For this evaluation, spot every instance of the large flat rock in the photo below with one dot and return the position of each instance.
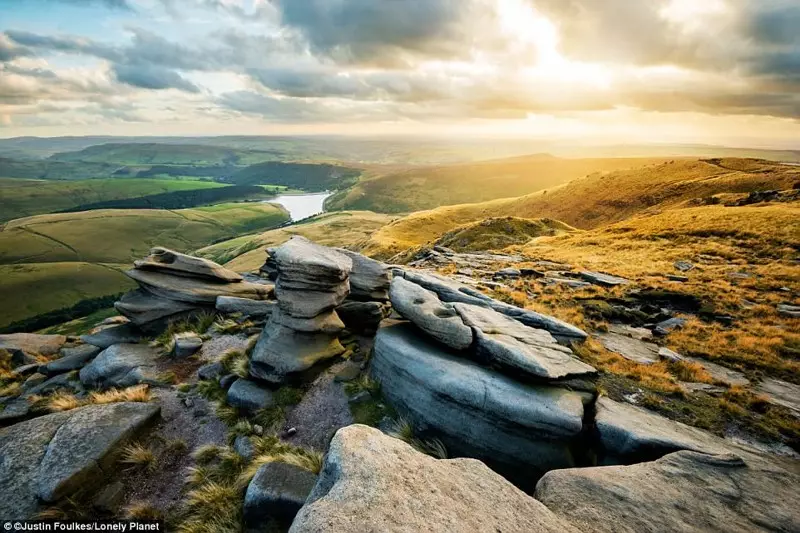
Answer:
(629, 433)
(32, 344)
(449, 290)
(781, 393)
(424, 309)
(281, 352)
(509, 344)
(172, 262)
(52, 456)
(636, 350)
(683, 492)
(195, 290)
(476, 411)
(369, 279)
(121, 365)
(304, 265)
(277, 492)
(371, 482)
(141, 307)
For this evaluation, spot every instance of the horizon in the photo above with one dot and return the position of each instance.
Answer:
(658, 72)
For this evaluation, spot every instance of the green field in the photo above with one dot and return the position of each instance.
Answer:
(31, 289)
(49, 262)
(164, 154)
(22, 198)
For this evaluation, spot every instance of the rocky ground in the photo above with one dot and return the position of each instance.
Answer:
(223, 402)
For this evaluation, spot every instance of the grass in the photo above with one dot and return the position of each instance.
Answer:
(430, 187)
(137, 393)
(142, 511)
(499, 233)
(403, 429)
(592, 201)
(199, 324)
(138, 457)
(23, 198)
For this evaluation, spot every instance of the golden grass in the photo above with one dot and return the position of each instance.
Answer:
(137, 393)
(499, 233)
(142, 511)
(62, 401)
(136, 456)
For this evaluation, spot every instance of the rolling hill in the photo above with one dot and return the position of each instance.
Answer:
(163, 154)
(429, 187)
(22, 198)
(597, 199)
(53, 259)
(308, 177)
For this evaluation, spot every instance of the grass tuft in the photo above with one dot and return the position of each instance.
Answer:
(138, 457)
(137, 393)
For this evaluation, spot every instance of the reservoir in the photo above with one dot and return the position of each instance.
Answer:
(301, 206)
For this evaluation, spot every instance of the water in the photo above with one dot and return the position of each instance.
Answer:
(301, 206)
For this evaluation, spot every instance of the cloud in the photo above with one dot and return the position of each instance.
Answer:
(148, 76)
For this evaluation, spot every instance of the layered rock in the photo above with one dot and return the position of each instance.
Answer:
(121, 365)
(369, 279)
(372, 482)
(276, 493)
(53, 456)
(172, 284)
(681, 492)
(303, 329)
(476, 411)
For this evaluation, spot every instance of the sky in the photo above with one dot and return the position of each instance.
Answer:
(610, 71)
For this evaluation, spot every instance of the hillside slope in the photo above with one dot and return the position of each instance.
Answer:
(597, 199)
(429, 187)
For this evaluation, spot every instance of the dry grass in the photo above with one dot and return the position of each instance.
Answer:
(142, 511)
(403, 429)
(136, 456)
(137, 393)
(63, 401)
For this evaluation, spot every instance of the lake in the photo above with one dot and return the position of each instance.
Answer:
(301, 206)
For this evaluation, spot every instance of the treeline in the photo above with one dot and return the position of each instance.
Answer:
(305, 176)
(59, 316)
(207, 171)
(181, 199)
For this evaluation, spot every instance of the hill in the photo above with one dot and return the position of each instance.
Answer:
(161, 154)
(429, 187)
(598, 199)
(499, 233)
(349, 229)
(183, 199)
(54, 170)
(308, 177)
(22, 198)
(59, 259)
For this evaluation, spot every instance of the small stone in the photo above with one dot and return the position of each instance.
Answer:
(277, 492)
(291, 431)
(258, 430)
(791, 311)
(244, 447)
(360, 397)
(604, 280)
(248, 395)
(666, 326)
(210, 371)
(187, 345)
(679, 279)
(508, 273)
(683, 266)
(669, 355)
(188, 402)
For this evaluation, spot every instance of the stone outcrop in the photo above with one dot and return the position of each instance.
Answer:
(249, 396)
(636, 350)
(72, 359)
(105, 336)
(121, 365)
(276, 493)
(24, 347)
(372, 482)
(681, 492)
(451, 291)
(51, 457)
(427, 312)
(303, 329)
(172, 285)
(362, 317)
(369, 279)
(474, 410)
(245, 306)
(504, 342)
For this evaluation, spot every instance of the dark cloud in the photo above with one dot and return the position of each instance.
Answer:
(389, 31)
(271, 108)
(67, 44)
(10, 50)
(147, 76)
(114, 4)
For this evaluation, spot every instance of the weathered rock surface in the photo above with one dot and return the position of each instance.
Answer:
(682, 492)
(141, 307)
(277, 492)
(245, 306)
(30, 344)
(781, 393)
(361, 317)
(73, 359)
(52, 456)
(369, 279)
(505, 342)
(309, 303)
(187, 344)
(628, 433)
(249, 396)
(194, 290)
(304, 265)
(791, 311)
(372, 482)
(165, 260)
(633, 349)
(721, 373)
(604, 280)
(281, 351)
(66, 381)
(474, 410)
(121, 365)
(325, 322)
(423, 308)
(665, 327)
(451, 291)
(106, 336)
